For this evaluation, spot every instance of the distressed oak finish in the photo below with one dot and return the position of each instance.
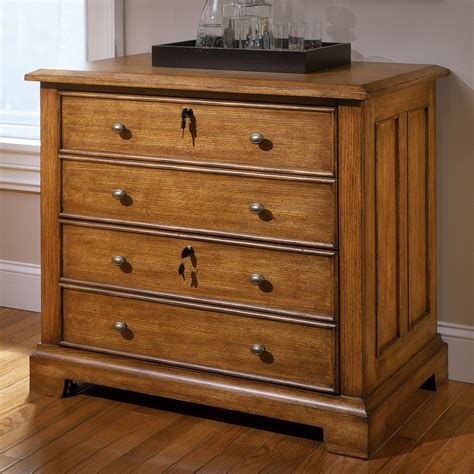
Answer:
(346, 241)
(295, 138)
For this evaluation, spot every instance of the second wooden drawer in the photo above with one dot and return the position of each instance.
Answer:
(296, 281)
(292, 211)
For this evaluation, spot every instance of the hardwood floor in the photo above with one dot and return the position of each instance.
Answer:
(109, 431)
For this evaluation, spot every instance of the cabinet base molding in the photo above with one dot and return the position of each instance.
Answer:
(352, 426)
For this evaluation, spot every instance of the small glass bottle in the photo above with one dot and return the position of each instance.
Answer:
(209, 33)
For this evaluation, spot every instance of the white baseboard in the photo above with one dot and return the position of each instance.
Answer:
(460, 340)
(20, 285)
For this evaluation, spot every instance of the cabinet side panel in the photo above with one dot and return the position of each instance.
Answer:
(50, 202)
(400, 237)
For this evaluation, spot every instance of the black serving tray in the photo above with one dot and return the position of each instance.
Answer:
(185, 54)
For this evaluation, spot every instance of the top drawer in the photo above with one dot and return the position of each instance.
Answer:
(298, 139)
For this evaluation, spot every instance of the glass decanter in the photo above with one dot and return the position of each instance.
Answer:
(210, 31)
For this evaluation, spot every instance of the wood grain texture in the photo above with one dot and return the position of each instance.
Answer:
(359, 81)
(294, 353)
(296, 282)
(50, 208)
(295, 211)
(296, 138)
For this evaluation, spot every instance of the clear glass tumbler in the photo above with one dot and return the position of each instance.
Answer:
(280, 35)
(296, 36)
(313, 35)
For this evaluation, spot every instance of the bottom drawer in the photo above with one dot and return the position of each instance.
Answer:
(301, 355)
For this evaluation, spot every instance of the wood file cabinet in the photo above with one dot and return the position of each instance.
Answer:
(277, 256)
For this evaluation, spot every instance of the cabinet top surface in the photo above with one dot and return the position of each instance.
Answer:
(358, 81)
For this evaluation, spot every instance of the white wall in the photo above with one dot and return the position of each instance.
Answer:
(19, 250)
(19, 225)
(416, 31)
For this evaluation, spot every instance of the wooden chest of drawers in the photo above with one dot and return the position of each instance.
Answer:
(276, 256)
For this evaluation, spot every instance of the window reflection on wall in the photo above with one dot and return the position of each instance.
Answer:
(34, 34)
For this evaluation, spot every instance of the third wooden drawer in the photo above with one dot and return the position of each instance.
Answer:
(280, 279)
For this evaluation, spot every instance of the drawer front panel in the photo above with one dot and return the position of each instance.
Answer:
(294, 211)
(292, 281)
(295, 138)
(294, 354)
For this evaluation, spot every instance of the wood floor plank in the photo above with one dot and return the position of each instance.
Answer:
(147, 427)
(321, 461)
(458, 451)
(226, 436)
(13, 370)
(30, 418)
(194, 460)
(101, 431)
(431, 411)
(61, 446)
(416, 426)
(253, 437)
(9, 316)
(59, 429)
(278, 454)
(137, 456)
(15, 334)
(227, 458)
(435, 439)
(6, 461)
(16, 395)
(179, 445)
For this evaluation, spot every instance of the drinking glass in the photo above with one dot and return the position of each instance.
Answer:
(313, 35)
(296, 33)
(280, 32)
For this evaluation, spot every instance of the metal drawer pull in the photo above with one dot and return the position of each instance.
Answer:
(256, 138)
(118, 128)
(119, 194)
(119, 326)
(256, 208)
(256, 279)
(118, 260)
(257, 349)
